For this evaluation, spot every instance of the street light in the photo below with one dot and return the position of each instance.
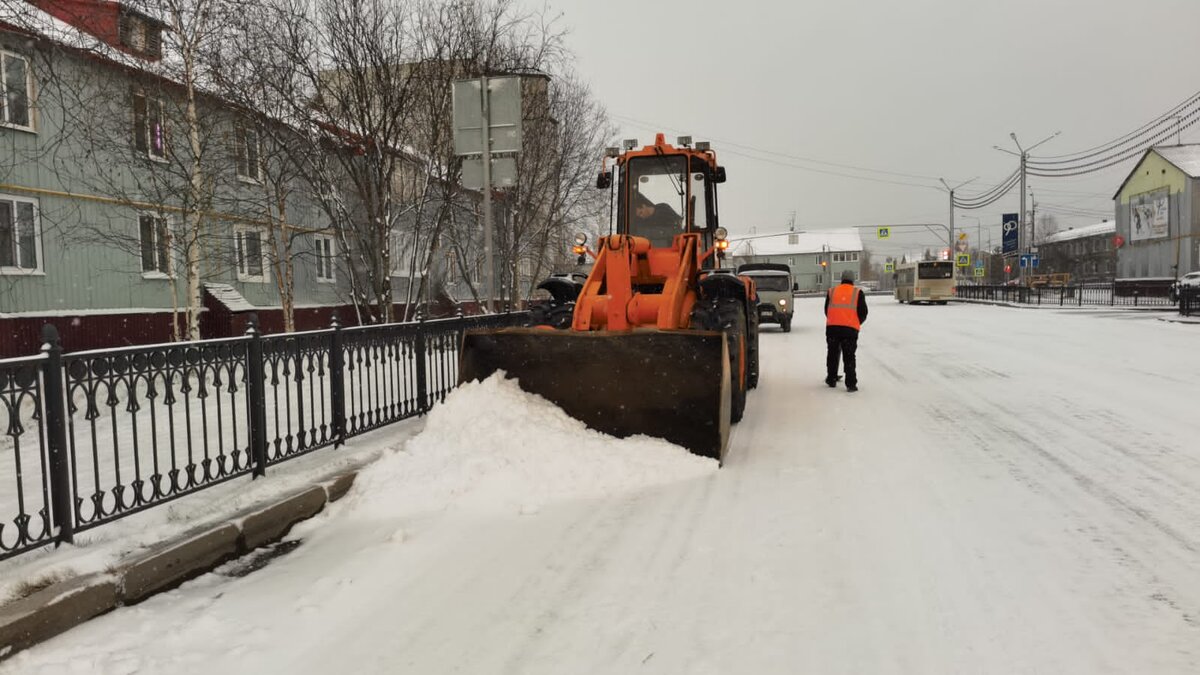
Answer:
(1024, 155)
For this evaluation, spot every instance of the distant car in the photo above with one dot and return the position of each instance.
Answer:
(1189, 280)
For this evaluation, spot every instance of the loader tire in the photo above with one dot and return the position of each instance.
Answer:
(752, 369)
(552, 314)
(731, 315)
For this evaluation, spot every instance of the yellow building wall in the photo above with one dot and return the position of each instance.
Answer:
(1153, 173)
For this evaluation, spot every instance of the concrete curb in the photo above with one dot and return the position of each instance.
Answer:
(66, 604)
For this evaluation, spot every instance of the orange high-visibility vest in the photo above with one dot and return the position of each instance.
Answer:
(843, 306)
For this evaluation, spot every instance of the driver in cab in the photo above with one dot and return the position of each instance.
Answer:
(657, 222)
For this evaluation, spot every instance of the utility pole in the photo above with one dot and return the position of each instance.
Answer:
(1032, 219)
(951, 190)
(1024, 155)
(489, 264)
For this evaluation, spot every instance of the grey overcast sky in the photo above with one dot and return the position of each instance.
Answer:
(921, 87)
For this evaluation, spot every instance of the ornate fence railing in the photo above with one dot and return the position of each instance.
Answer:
(1065, 296)
(90, 437)
(1189, 300)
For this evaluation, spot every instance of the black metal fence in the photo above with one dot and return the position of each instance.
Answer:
(91, 437)
(1065, 296)
(1189, 300)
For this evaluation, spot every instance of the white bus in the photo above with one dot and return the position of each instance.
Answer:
(928, 281)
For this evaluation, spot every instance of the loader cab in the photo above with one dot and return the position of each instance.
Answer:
(664, 191)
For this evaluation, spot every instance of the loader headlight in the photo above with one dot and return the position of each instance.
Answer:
(783, 302)
(721, 233)
(580, 239)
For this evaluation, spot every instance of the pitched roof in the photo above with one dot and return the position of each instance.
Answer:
(1108, 227)
(1186, 158)
(784, 243)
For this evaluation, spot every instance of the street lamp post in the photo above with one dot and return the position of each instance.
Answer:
(1024, 155)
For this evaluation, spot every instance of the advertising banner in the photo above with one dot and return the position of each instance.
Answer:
(1150, 215)
(1011, 233)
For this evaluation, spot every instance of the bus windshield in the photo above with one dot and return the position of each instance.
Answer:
(935, 270)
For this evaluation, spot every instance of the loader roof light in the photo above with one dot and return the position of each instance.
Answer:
(580, 239)
(685, 141)
(613, 152)
(629, 143)
(703, 146)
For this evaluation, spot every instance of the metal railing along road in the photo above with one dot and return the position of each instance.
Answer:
(1064, 296)
(1189, 300)
(90, 437)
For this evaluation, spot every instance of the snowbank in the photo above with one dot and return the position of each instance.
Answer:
(491, 446)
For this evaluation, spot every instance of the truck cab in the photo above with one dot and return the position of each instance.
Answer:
(775, 285)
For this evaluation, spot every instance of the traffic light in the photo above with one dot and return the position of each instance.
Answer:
(1007, 269)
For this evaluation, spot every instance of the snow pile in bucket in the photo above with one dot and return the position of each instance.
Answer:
(491, 446)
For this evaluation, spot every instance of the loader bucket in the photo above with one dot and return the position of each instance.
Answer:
(672, 385)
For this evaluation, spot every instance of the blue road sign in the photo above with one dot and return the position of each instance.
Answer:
(1030, 260)
(1010, 231)
(1034, 260)
(1024, 262)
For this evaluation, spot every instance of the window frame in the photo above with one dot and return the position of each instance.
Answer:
(243, 275)
(163, 256)
(240, 156)
(5, 55)
(144, 132)
(325, 259)
(39, 262)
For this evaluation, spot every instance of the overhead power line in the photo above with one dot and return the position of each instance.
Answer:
(1187, 104)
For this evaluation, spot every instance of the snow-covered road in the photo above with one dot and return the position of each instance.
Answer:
(1011, 491)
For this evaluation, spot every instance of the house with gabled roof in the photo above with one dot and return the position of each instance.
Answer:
(1157, 210)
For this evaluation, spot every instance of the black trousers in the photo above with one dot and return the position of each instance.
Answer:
(843, 343)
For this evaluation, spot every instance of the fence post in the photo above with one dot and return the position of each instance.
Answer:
(337, 382)
(422, 380)
(256, 397)
(1135, 297)
(63, 516)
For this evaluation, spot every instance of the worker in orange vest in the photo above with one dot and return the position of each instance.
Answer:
(845, 312)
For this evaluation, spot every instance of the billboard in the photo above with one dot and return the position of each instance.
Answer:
(1011, 233)
(1149, 215)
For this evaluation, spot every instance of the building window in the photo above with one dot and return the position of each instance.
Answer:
(149, 132)
(20, 239)
(251, 255)
(249, 161)
(324, 252)
(139, 36)
(155, 239)
(15, 84)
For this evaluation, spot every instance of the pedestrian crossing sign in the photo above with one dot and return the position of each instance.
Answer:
(885, 232)
(962, 260)
(978, 271)
(889, 267)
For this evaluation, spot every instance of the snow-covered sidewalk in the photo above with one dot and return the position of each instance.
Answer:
(1010, 492)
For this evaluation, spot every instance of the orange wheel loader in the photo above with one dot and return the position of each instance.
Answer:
(661, 341)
